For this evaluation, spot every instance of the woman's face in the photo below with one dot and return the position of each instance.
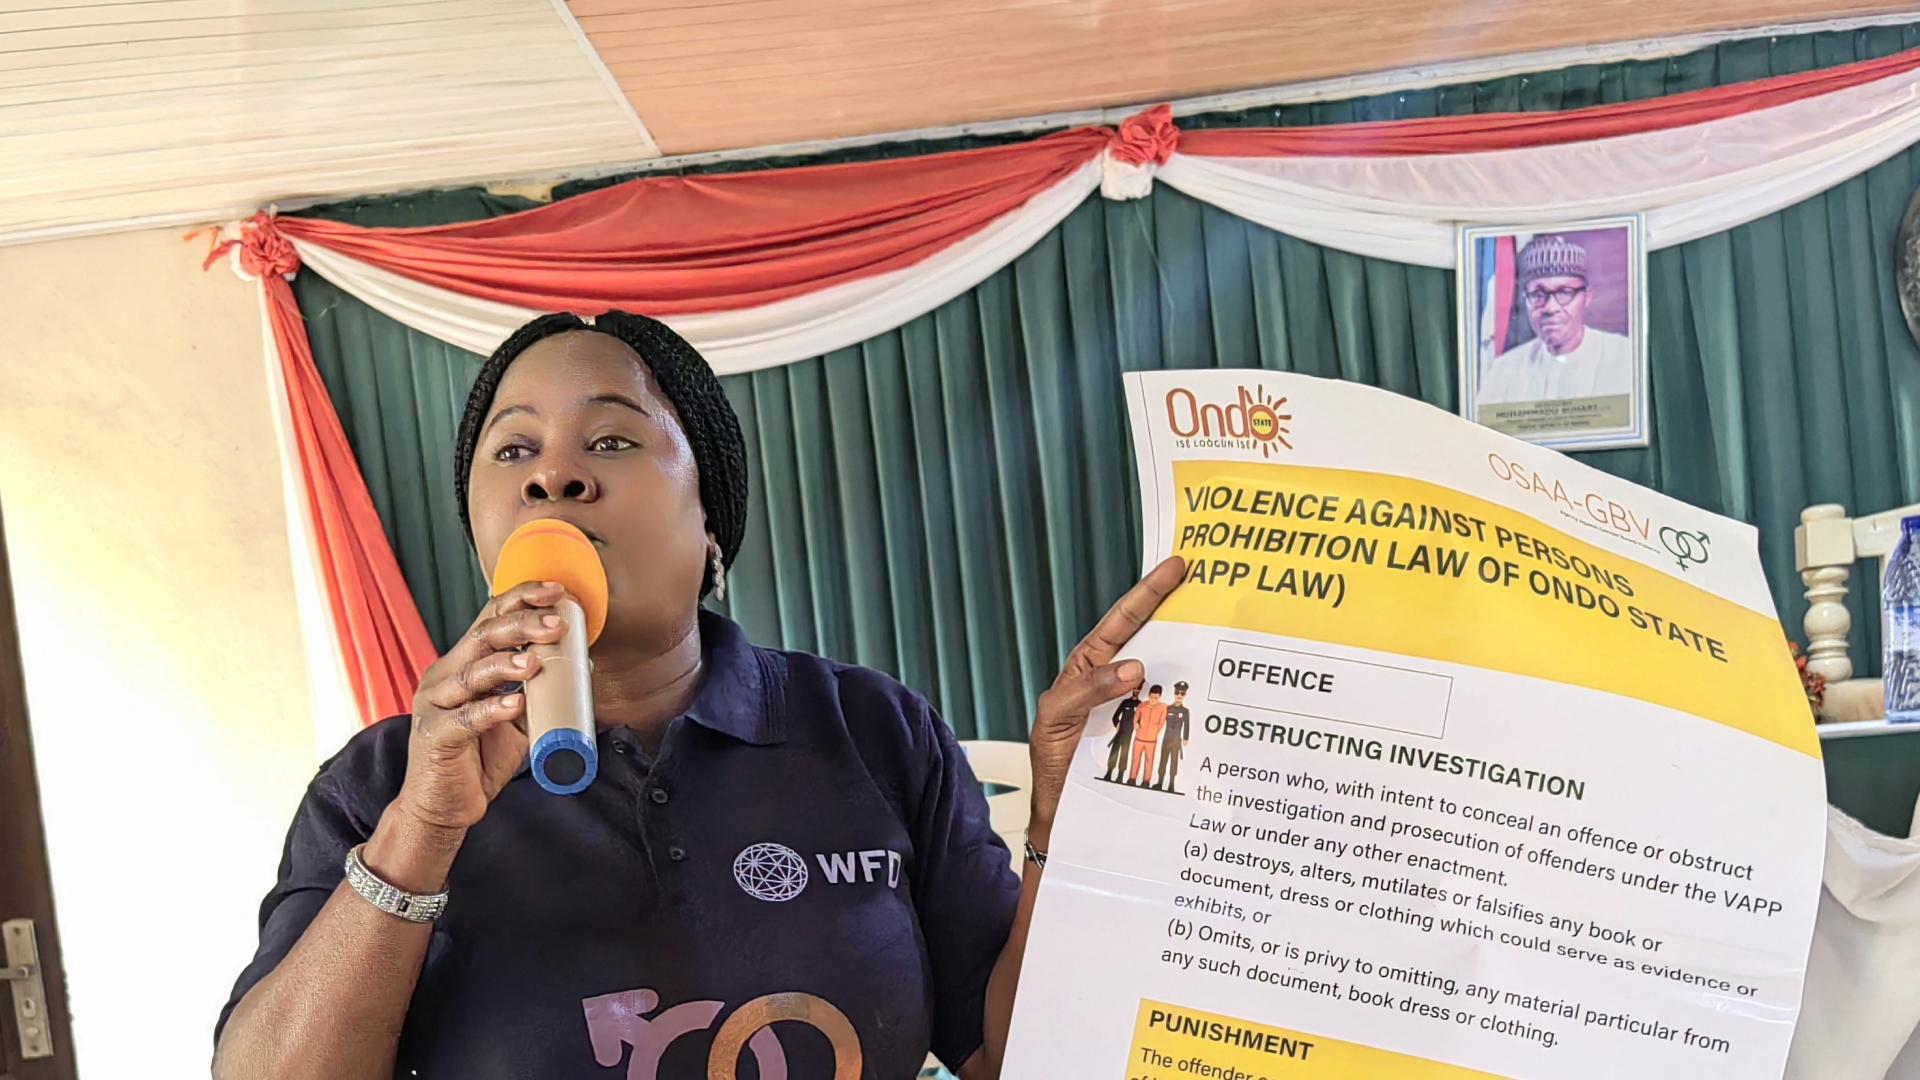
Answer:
(580, 431)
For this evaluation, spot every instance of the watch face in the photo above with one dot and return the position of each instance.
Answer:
(1908, 267)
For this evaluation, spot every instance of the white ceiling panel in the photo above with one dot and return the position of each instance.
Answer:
(156, 110)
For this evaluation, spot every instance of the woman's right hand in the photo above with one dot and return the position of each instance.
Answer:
(468, 739)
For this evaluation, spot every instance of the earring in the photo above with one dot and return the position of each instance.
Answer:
(719, 567)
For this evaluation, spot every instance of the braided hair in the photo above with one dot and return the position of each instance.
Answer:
(713, 431)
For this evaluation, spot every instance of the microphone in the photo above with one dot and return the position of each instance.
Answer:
(560, 729)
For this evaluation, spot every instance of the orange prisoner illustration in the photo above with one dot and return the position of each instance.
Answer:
(1149, 720)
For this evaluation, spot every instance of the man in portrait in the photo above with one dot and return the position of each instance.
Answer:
(1567, 358)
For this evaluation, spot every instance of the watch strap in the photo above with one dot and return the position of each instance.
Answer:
(390, 898)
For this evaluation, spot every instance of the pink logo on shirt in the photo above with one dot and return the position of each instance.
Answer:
(617, 1021)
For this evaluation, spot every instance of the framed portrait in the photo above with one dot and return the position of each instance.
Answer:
(1553, 342)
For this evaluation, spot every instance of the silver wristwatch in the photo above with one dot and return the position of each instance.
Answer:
(412, 907)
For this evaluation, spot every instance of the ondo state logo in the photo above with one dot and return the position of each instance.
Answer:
(1255, 416)
(773, 872)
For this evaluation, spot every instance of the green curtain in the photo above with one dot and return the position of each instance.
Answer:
(953, 501)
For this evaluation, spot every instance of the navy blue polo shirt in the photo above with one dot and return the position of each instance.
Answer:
(806, 873)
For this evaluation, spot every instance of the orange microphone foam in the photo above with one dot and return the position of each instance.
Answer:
(562, 753)
(549, 549)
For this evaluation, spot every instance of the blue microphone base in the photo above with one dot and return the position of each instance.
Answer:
(564, 762)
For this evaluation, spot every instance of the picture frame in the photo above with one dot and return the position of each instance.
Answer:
(1553, 342)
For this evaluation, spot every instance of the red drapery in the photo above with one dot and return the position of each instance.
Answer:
(674, 245)
(381, 637)
(1510, 131)
(681, 245)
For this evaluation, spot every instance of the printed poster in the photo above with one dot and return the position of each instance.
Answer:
(1456, 759)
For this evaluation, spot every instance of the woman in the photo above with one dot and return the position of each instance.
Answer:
(784, 861)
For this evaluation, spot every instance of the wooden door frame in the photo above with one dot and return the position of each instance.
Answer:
(26, 890)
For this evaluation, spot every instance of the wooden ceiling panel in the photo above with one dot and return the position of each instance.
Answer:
(727, 74)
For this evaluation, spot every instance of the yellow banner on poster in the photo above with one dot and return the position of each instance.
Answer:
(1359, 558)
(1174, 1043)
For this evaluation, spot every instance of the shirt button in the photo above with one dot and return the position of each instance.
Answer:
(677, 853)
(658, 795)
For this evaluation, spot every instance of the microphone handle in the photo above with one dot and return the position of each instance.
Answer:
(560, 728)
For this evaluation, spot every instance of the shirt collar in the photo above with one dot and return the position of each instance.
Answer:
(740, 692)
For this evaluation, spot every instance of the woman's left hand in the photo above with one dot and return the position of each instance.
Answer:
(1089, 677)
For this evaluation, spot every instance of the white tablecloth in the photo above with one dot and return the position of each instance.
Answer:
(1861, 1009)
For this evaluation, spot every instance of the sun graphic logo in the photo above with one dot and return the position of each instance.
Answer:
(772, 872)
(1265, 422)
(1254, 420)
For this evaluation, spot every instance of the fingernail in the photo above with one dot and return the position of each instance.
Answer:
(1132, 671)
(510, 700)
(549, 584)
(521, 661)
(550, 620)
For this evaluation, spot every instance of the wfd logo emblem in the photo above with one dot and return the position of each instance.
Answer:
(777, 873)
(770, 872)
(1685, 547)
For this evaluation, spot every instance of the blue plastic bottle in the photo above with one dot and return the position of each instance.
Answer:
(1900, 602)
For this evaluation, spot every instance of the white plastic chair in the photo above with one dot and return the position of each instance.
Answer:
(1861, 1010)
(1825, 546)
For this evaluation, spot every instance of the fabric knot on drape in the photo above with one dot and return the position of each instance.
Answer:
(1143, 143)
(262, 250)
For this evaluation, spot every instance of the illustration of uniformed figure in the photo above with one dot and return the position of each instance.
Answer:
(1174, 739)
(1122, 738)
(1148, 721)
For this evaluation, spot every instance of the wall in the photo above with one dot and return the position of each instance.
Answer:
(169, 701)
